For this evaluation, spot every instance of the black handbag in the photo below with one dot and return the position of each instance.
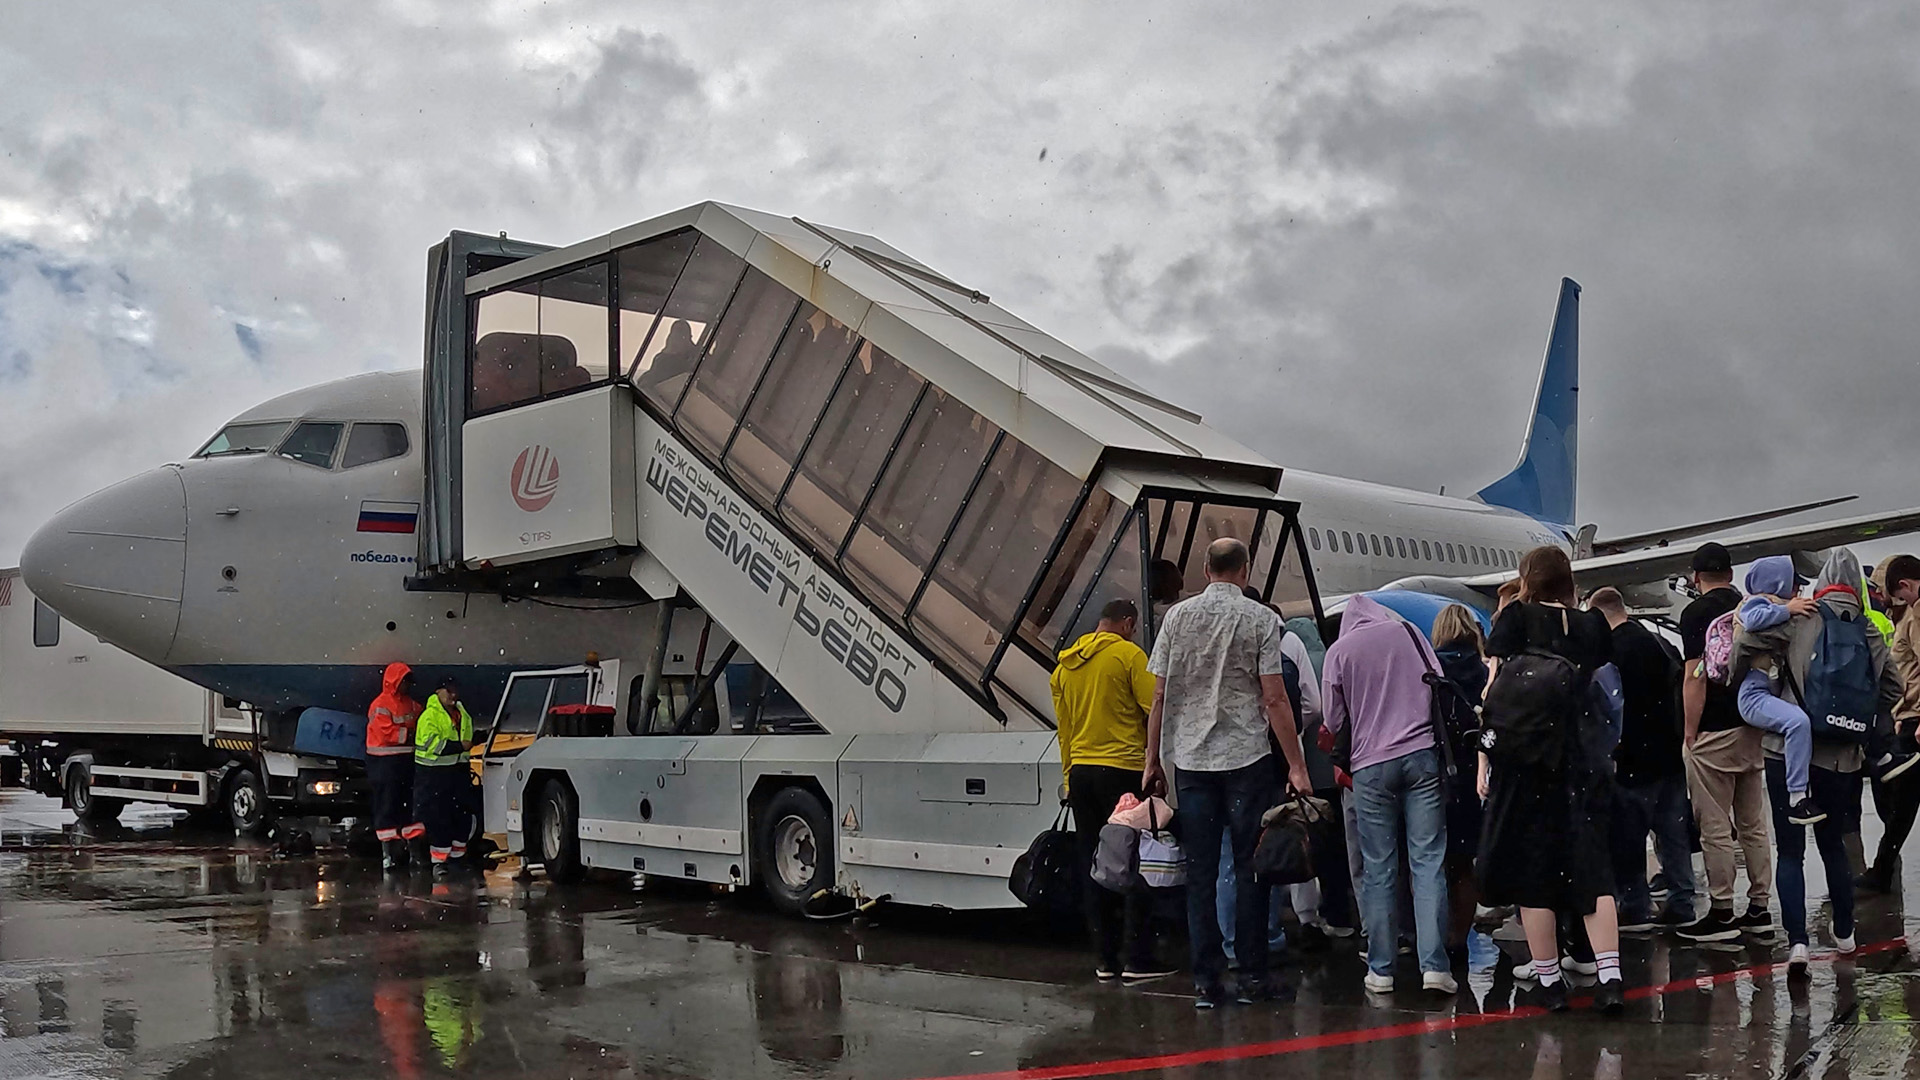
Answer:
(1043, 877)
(1295, 831)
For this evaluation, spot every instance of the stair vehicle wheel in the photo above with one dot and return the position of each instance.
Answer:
(557, 837)
(793, 844)
(246, 800)
(85, 804)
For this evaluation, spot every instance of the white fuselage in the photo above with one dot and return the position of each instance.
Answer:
(1417, 533)
(257, 575)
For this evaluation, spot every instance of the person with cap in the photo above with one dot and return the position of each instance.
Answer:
(1726, 771)
(390, 721)
(441, 775)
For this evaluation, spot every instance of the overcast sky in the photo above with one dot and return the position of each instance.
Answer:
(1336, 232)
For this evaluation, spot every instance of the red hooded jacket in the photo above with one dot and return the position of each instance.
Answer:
(391, 716)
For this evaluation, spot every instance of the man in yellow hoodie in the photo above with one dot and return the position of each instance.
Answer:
(1101, 695)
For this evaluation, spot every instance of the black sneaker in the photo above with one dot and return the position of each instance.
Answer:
(1719, 925)
(1672, 918)
(1757, 923)
(1252, 992)
(1637, 924)
(1658, 889)
(1610, 997)
(1208, 997)
(1894, 765)
(1878, 879)
(1554, 998)
(1806, 812)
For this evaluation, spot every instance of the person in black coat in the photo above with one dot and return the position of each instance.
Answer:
(1545, 845)
(1461, 649)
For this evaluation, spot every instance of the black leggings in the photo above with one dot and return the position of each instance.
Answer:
(1118, 920)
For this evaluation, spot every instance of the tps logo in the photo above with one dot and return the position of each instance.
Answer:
(535, 479)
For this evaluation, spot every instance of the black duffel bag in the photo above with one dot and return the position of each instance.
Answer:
(1291, 836)
(1043, 877)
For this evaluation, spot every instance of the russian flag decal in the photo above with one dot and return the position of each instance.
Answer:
(387, 517)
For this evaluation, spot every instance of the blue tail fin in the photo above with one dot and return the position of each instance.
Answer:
(1543, 485)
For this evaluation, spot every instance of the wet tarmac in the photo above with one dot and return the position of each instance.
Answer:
(153, 950)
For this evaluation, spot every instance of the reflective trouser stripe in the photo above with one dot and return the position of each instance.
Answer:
(458, 849)
(414, 831)
(421, 757)
(439, 854)
(388, 751)
(385, 835)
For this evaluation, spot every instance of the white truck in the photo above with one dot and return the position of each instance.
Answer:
(100, 728)
(867, 507)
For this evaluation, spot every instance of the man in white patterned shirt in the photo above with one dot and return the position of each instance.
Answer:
(1220, 693)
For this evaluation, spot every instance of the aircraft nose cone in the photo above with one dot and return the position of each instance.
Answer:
(114, 562)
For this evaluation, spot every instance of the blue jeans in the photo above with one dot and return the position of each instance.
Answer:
(1659, 806)
(1790, 841)
(1760, 708)
(1223, 903)
(1403, 799)
(1212, 802)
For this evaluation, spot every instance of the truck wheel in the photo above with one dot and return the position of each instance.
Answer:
(794, 848)
(247, 806)
(88, 807)
(557, 841)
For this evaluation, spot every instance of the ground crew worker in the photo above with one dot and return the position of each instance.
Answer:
(390, 722)
(442, 776)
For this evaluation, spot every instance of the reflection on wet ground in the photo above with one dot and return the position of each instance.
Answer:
(155, 951)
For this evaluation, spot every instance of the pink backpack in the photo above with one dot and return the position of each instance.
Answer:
(1716, 660)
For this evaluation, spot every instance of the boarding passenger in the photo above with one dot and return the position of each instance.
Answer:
(1324, 904)
(389, 760)
(1545, 844)
(1726, 777)
(1770, 603)
(1221, 690)
(1101, 695)
(1896, 791)
(1293, 660)
(1376, 681)
(1650, 781)
(1835, 761)
(1462, 652)
(442, 780)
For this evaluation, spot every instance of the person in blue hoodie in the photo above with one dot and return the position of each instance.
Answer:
(1770, 602)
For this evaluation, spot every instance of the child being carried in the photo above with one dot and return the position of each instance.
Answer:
(1770, 602)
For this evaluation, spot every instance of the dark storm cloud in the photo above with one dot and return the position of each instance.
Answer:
(1739, 210)
(1337, 234)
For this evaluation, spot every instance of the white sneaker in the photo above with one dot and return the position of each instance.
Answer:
(1797, 960)
(1578, 967)
(1379, 984)
(1523, 971)
(1440, 982)
(1844, 945)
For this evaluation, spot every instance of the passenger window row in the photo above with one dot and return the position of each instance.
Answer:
(941, 520)
(1410, 549)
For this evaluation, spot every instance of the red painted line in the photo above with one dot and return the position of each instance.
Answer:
(1303, 1043)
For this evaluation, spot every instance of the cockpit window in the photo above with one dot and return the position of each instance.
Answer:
(313, 443)
(252, 438)
(374, 442)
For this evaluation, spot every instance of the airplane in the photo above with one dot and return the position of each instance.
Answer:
(271, 566)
